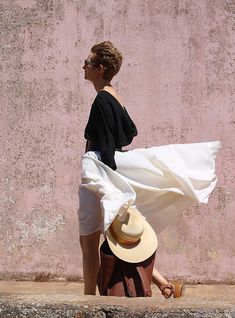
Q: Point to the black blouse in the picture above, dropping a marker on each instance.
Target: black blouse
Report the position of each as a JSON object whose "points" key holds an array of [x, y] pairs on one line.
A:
{"points": [[109, 127]]}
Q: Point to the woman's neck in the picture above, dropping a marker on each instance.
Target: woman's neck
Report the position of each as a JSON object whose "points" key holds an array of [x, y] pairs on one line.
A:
{"points": [[101, 84]]}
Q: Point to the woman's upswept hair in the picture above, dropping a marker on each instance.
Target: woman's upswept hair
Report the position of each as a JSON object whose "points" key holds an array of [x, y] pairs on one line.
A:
{"points": [[108, 56]]}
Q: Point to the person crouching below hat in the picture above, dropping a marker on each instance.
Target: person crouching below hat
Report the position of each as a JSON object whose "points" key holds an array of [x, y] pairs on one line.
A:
{"points": [[109, 128]]}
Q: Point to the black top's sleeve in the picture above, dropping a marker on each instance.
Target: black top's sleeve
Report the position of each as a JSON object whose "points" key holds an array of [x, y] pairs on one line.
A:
{"points": [[98, 130]]}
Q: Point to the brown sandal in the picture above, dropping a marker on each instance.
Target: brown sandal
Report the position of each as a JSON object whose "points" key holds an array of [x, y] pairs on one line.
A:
{"points": [[176, 289]]}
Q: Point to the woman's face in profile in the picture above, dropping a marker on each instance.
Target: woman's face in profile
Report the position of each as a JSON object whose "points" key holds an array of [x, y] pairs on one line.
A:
{"points": [[90, 68]]}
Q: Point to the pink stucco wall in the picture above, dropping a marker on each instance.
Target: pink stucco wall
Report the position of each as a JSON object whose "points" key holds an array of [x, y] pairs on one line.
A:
{"points": [[177, 81]]}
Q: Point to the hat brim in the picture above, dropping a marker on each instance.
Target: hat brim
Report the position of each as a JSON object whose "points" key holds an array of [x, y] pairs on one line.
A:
{"points": [[137, 252]]}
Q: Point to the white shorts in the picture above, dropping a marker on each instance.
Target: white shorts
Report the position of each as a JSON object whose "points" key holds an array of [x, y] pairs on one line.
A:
{"points": [[90, 213]]}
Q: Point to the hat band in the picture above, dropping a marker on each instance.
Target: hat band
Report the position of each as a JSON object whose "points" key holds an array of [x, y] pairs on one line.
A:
{"points": [[121, 240]]}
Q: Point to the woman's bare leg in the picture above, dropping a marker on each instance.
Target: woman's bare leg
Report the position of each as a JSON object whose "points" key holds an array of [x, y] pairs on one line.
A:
{"points": [[90, 251]]}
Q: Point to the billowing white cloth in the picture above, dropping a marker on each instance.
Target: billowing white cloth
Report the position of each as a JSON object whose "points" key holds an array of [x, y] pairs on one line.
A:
{"points": [[160, 181]]}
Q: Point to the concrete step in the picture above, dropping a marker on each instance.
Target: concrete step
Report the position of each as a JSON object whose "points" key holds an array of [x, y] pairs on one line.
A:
{"points": [[65, 300]]}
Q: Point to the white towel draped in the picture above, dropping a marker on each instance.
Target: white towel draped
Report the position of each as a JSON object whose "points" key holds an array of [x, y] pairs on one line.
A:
{"points": [[160, 181]]}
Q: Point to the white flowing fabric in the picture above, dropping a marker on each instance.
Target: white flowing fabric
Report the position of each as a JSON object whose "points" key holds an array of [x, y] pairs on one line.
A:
{"points": [[160, 181]]}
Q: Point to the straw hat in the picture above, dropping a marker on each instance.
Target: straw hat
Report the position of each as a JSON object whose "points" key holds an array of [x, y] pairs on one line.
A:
{"points": [[132, 239]]}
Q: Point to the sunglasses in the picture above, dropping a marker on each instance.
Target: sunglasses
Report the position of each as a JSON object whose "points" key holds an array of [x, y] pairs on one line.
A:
{"points": [[89, 62]]}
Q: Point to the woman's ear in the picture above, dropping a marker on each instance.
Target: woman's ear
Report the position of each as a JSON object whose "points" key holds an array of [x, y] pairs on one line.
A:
{"points": [[101, 68]]}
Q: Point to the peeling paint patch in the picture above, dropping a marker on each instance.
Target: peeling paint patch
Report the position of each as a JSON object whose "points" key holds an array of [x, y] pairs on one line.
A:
{"points": [[223, 199], [171, 243], [32, 232], [213, 255]]}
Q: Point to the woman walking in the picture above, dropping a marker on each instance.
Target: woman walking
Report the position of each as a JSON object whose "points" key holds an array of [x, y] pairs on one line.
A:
{"points": [[110, 128]]}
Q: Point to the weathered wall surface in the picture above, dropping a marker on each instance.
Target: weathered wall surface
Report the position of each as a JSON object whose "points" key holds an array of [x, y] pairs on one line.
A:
{"points": [[177, 81]]}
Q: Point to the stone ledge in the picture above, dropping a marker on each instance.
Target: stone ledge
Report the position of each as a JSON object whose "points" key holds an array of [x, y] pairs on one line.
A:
{"points": [[65, 300], [33, 310]]}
